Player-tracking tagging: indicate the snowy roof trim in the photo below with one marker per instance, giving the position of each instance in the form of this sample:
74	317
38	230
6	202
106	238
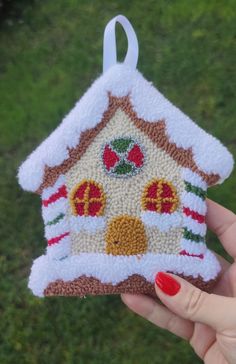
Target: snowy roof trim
149	104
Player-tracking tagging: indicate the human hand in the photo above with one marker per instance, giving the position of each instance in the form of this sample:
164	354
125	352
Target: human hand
207	321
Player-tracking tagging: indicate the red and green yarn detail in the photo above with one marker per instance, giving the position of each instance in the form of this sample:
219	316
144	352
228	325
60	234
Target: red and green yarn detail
194	215
61	193
57	239
184	252
56	220
189	235
122	157
198	191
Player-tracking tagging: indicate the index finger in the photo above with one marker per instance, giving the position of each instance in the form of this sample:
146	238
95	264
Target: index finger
222	222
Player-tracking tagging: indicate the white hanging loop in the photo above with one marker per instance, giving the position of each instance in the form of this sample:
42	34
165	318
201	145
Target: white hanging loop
109	43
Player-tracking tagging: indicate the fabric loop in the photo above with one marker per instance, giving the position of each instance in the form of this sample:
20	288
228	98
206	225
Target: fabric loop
109	43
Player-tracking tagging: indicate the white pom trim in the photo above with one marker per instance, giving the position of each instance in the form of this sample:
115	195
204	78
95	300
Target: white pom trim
51	231
208	153
163	222
59	250
194	226
114	269
194	202
54	209
88	223
193	178
192	247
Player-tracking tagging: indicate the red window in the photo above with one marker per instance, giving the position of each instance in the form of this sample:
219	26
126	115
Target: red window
87	199
160	196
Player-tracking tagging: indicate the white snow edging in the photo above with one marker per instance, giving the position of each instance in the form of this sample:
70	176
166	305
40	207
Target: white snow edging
114	269
120	80
87	223
163	221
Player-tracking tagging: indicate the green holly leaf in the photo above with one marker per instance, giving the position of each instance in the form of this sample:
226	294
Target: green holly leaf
121	145
123	168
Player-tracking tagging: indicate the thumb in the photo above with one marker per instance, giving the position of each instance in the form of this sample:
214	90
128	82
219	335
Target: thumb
191	303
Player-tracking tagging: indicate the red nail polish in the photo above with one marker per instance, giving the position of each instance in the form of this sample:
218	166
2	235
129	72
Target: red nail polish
167	284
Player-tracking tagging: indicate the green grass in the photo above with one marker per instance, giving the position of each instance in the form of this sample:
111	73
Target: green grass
49	56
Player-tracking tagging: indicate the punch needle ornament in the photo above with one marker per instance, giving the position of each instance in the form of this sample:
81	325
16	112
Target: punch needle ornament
123	182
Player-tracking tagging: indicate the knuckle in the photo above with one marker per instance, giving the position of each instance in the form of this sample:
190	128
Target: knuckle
194	303
171	323
151	314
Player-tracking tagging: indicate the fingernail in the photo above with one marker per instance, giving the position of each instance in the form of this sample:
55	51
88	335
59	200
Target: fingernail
167	284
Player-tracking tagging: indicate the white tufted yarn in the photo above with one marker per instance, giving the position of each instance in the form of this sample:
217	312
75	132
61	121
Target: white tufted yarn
120	80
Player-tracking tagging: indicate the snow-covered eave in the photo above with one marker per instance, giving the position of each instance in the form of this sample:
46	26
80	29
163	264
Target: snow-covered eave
149	104
115	269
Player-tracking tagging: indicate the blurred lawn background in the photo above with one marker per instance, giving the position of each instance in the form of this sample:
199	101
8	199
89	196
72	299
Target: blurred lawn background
51	51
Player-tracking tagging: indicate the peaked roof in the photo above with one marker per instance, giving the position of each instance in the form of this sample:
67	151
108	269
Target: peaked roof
208	154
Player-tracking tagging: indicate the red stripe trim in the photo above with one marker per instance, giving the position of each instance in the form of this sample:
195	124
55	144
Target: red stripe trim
61	192
57	239
183	252
194	215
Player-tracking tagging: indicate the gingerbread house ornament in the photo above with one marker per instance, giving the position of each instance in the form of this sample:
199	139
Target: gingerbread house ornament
123	182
